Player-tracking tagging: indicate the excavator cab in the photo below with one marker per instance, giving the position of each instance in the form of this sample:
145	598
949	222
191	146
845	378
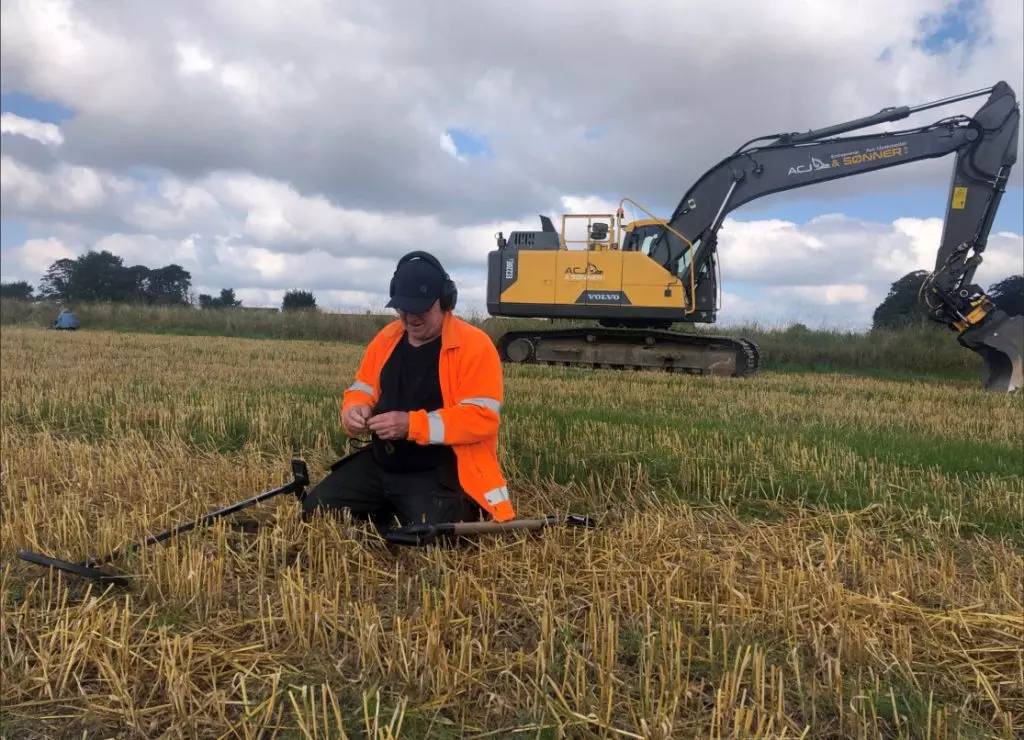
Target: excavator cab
640	235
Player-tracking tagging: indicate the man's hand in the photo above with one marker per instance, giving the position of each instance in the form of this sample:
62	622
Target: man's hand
390	425
355	419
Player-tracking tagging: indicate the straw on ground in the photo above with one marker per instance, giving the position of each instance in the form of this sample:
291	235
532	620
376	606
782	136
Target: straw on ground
790	556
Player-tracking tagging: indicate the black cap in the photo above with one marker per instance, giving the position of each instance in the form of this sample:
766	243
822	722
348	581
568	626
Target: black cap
417	285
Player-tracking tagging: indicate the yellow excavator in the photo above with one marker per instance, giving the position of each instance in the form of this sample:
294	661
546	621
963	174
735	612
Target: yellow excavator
638	278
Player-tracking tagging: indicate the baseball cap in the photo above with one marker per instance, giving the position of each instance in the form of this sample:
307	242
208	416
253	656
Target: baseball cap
417	285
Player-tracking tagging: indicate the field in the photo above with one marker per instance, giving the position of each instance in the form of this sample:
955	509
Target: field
795	555
922	351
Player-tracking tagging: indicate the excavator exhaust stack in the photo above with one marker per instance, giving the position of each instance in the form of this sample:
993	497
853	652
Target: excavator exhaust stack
1000	342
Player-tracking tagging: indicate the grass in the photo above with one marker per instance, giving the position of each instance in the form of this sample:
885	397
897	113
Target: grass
794	555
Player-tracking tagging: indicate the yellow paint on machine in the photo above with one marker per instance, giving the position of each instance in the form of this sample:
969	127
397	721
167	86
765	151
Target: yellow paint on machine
959	198
558	277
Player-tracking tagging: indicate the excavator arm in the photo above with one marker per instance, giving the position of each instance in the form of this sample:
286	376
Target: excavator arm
984	148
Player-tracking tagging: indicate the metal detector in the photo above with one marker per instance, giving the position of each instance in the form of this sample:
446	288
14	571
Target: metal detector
90	568
418	535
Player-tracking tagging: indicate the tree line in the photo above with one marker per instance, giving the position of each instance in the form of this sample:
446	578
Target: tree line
102	277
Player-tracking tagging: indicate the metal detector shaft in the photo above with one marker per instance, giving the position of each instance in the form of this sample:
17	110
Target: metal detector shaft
485	527
299	481
89	568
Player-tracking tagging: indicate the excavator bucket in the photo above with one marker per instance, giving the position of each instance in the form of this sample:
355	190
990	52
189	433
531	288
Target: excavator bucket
1000	342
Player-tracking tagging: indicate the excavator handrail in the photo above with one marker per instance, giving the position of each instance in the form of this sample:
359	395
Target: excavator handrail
692	302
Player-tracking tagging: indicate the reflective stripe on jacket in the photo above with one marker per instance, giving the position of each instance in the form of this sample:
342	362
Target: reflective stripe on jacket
471	386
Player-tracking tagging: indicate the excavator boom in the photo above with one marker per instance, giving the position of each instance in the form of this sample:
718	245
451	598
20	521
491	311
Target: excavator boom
985	147
683	248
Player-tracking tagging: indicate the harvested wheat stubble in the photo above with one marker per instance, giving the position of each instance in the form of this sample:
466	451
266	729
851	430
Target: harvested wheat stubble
674	619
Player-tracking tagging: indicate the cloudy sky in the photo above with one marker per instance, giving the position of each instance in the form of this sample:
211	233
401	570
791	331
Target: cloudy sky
308	144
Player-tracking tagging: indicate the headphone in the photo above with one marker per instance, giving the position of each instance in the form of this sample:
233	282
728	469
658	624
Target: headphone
449	293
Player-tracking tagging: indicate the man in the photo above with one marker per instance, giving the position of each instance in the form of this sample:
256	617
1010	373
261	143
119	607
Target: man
429	391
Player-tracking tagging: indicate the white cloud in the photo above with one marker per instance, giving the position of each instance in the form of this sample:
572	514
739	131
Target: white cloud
588	204
31	259
854	251
193	60
68	189
353	102
826	294
242	209
41	131
834	270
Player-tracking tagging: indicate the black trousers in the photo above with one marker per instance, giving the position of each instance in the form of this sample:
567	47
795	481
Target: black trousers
358	483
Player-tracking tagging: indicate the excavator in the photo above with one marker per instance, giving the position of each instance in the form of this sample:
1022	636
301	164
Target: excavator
637	279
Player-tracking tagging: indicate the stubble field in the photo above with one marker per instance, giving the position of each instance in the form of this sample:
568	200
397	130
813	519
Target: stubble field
786	556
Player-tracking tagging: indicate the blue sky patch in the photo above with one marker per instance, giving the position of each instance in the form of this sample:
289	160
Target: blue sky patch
469	144
28	106
12	233
944	31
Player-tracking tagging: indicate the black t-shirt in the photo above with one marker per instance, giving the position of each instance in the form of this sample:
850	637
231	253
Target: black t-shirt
409	381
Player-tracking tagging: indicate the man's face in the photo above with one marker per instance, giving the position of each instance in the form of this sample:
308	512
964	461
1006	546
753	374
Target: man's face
423	327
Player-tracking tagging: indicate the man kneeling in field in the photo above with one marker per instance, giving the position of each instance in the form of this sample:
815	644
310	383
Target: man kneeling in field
429	391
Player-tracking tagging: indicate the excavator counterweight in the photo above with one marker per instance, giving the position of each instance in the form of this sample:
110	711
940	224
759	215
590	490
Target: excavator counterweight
637	279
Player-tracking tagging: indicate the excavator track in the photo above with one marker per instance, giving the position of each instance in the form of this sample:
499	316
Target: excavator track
633	349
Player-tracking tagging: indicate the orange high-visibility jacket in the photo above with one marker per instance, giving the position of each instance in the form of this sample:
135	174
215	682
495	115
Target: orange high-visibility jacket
471	386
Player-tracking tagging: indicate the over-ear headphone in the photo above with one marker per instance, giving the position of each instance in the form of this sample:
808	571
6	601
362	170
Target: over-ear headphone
449	293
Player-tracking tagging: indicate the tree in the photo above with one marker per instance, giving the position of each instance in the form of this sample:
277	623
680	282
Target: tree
57	280
902	307
298	300
1008	295
225	300
19	291
169	285
103	276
